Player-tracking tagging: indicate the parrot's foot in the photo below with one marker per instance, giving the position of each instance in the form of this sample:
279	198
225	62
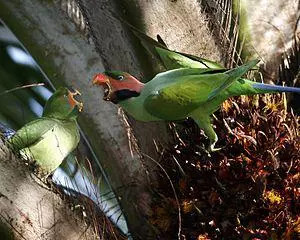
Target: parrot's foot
212	148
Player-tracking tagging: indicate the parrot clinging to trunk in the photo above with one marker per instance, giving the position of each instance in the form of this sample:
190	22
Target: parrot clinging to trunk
50	138
180	93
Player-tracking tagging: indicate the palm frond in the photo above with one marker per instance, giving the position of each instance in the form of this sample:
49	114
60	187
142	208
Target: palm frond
227	23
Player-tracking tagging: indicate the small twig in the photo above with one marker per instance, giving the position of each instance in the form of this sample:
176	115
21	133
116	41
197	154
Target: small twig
227	127
22	87
179	166
176	134
174	191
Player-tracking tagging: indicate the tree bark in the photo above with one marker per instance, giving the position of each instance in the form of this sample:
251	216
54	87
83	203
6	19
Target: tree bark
28	208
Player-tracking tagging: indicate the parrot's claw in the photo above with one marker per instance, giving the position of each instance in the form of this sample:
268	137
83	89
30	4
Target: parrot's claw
76	92
213	149
210	149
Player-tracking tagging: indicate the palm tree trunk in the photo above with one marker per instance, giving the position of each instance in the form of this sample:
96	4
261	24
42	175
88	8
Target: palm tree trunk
29	210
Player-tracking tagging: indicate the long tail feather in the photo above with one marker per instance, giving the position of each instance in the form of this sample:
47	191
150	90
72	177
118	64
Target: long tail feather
275	88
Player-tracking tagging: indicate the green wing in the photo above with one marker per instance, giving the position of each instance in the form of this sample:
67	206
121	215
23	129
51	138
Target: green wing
206	62
31	133
173	60
177	100
234	74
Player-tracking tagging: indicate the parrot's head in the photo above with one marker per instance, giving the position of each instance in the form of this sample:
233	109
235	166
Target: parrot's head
118	86
63	105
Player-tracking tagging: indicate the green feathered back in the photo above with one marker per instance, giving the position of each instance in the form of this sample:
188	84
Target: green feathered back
179	99
179	92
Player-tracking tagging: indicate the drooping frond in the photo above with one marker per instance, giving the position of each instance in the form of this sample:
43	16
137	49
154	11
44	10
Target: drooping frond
227	21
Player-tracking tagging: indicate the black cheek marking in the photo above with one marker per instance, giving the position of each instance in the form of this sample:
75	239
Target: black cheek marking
121	95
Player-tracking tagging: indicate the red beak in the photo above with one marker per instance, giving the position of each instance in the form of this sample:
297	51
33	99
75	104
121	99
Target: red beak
100	79
73	102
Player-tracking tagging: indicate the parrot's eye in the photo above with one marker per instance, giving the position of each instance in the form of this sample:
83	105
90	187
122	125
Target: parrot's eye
120	77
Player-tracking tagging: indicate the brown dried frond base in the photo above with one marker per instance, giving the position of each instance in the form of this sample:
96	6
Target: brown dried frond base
247	190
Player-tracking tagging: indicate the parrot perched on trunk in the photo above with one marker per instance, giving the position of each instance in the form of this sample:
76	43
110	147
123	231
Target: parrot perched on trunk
50	138
180	93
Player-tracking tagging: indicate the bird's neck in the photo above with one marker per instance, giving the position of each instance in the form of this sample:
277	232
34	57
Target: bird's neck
134	106
132	90
134	85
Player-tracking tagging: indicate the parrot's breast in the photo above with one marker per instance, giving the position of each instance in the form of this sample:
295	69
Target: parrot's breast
135	107
54	146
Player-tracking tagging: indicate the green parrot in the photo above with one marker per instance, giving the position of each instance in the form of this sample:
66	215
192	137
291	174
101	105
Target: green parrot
50	138
180	93
168	58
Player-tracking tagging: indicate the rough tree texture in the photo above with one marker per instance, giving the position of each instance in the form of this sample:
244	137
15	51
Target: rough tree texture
29	209
182	24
